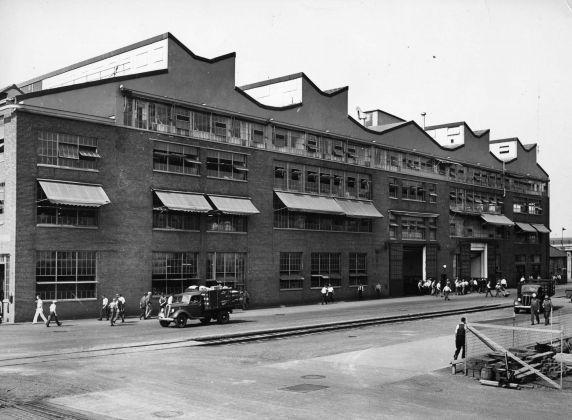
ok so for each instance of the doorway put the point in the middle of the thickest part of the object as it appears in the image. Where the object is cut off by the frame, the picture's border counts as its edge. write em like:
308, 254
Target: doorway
413, 267
479, 260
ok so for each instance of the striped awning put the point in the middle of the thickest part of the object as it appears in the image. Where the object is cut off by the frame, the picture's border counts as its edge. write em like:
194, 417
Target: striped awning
525, 227
359, 209
72, 194
178, 201
497, 219
310, 203
234, 205
540, 228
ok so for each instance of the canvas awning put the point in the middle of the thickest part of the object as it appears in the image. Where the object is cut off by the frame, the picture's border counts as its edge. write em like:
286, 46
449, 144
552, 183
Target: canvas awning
497, 219
540, 228
525, 227
74, 194
310, 203
414, 213
358, 209
178, 201
234, 205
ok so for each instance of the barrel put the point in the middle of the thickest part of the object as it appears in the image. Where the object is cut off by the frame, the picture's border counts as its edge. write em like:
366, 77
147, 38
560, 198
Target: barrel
487, 373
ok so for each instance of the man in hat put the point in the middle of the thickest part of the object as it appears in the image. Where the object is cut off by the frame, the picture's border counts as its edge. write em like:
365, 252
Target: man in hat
534, 309
547, 306
53, 315
460, 339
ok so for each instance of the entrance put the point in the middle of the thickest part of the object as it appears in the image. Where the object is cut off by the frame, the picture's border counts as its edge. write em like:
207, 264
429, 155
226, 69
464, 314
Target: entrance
412, 268
479, 261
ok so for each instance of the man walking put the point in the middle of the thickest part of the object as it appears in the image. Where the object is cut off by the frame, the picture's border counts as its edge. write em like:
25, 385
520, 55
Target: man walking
489, 289
534, 308
53, 315
114, 309
121, 307
148, 306
324, 295
104, 311
330, 293
39, 311
547, 306
460, 339
143, 306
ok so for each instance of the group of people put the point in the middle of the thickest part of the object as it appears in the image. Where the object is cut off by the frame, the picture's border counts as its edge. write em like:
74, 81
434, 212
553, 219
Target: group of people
112, 310
444, 288
40, 312
536, 304
327, 294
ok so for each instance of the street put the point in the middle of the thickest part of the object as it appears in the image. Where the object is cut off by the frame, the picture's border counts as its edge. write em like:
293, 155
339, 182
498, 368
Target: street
396, 370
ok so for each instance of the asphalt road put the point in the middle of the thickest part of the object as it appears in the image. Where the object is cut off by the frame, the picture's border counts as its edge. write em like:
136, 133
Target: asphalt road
395, 370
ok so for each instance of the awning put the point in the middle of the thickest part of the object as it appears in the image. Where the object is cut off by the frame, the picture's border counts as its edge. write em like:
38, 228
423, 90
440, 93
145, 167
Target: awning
414, 213
74, 194
497, 219
234, 205
196, 203
525, 227
310, 203
540, 228
358, 209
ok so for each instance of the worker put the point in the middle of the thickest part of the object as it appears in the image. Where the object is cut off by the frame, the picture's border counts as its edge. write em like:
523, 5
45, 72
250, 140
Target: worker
534, 308
547, 306
460, 339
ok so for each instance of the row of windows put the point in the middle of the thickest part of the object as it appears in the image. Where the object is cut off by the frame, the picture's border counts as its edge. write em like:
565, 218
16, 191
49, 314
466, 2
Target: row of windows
285, 219
412, 190
324, 269
527, 206
461, 199
323, 181
67, 150
412, 227
205, 125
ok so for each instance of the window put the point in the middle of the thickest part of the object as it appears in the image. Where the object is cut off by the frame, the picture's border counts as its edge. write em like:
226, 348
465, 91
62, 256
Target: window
66, 150
393, 188
432, 192
226, 223
182, 121
338, 185
220, 127
412, 228
226, 165
226, 268
364, 187
412, 190
173, 272
312, 143
432, 224
279, 139
201, 123
176, 158
66, 275
357, 269
325, 269
325, 182
280, 176
48, 213
291, 270
393, 226
311, 179
2, 196
351, 186
164, 218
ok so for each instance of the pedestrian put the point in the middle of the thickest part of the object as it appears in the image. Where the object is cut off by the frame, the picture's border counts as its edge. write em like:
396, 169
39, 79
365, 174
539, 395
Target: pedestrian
498, 288
489, 289
53, 315
104, 311
114, 309
446, 291
330, 293
360, 291
163, 303
420, 287
324, 295
504, 286
148, 306
438, 291
245, 299
142, 306
534, 308
460, 339
170, 298
547, 306
39, 310
121, 307
378, 290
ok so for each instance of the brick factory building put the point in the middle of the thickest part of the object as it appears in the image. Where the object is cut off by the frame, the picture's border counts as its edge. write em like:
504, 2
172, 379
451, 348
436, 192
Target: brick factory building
148, 169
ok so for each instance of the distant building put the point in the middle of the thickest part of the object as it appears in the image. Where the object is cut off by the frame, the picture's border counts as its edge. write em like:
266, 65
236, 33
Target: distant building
558, 262
147, 168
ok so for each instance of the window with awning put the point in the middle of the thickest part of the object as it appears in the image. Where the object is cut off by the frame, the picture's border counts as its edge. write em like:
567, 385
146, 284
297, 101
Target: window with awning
310, 203
234, 205
73, 194
540, 228
358, 209
179, 201
497, 219
525, 227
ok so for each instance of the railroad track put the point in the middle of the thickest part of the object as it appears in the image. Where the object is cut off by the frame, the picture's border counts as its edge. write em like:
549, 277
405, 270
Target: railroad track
37, 410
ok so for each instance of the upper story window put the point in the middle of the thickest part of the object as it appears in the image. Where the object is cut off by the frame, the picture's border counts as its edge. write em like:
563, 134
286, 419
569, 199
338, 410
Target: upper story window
226, 165
527, 205
176, 158
226, 223
48, 213
412, 190
66, 150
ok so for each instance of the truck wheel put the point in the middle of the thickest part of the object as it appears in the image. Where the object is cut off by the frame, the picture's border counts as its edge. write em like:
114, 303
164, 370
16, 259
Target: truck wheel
181, 320
223, 317
206, 320
164, 323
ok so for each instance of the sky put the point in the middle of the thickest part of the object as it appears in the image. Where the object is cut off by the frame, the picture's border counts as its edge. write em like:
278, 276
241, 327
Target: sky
503, 65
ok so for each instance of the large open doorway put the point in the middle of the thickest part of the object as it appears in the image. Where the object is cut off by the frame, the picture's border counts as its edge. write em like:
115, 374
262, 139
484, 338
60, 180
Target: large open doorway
479, 261
413, 268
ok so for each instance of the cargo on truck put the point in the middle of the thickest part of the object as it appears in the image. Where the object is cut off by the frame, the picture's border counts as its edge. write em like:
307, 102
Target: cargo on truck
525, 290
202, 304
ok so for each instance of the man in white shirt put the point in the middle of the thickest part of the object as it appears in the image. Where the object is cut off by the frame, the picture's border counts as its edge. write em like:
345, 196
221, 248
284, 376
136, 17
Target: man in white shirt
330, 293
104, 308
39, 310
324, 295
53, 315
121, 307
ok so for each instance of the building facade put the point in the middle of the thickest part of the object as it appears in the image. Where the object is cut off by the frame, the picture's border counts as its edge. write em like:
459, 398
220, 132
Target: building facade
148, 169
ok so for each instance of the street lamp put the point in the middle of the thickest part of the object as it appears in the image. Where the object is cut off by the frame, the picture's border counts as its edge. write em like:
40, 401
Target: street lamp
562, 240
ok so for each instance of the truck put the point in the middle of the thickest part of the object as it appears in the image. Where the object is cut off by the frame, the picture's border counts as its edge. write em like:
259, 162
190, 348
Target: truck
525, 289
201, 304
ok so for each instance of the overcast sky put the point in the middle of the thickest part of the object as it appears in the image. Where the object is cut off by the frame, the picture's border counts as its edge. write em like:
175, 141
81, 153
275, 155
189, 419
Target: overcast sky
505, 65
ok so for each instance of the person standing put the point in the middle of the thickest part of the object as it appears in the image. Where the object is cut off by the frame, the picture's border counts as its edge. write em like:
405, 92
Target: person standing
53, 315
114, 309
378, 290
330, 293
142, 306
39, 311
360, 291
104, 311
534, 308
121, 307
446, 291
547, 306
324, 295
489, 289
163, 303
460, 339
